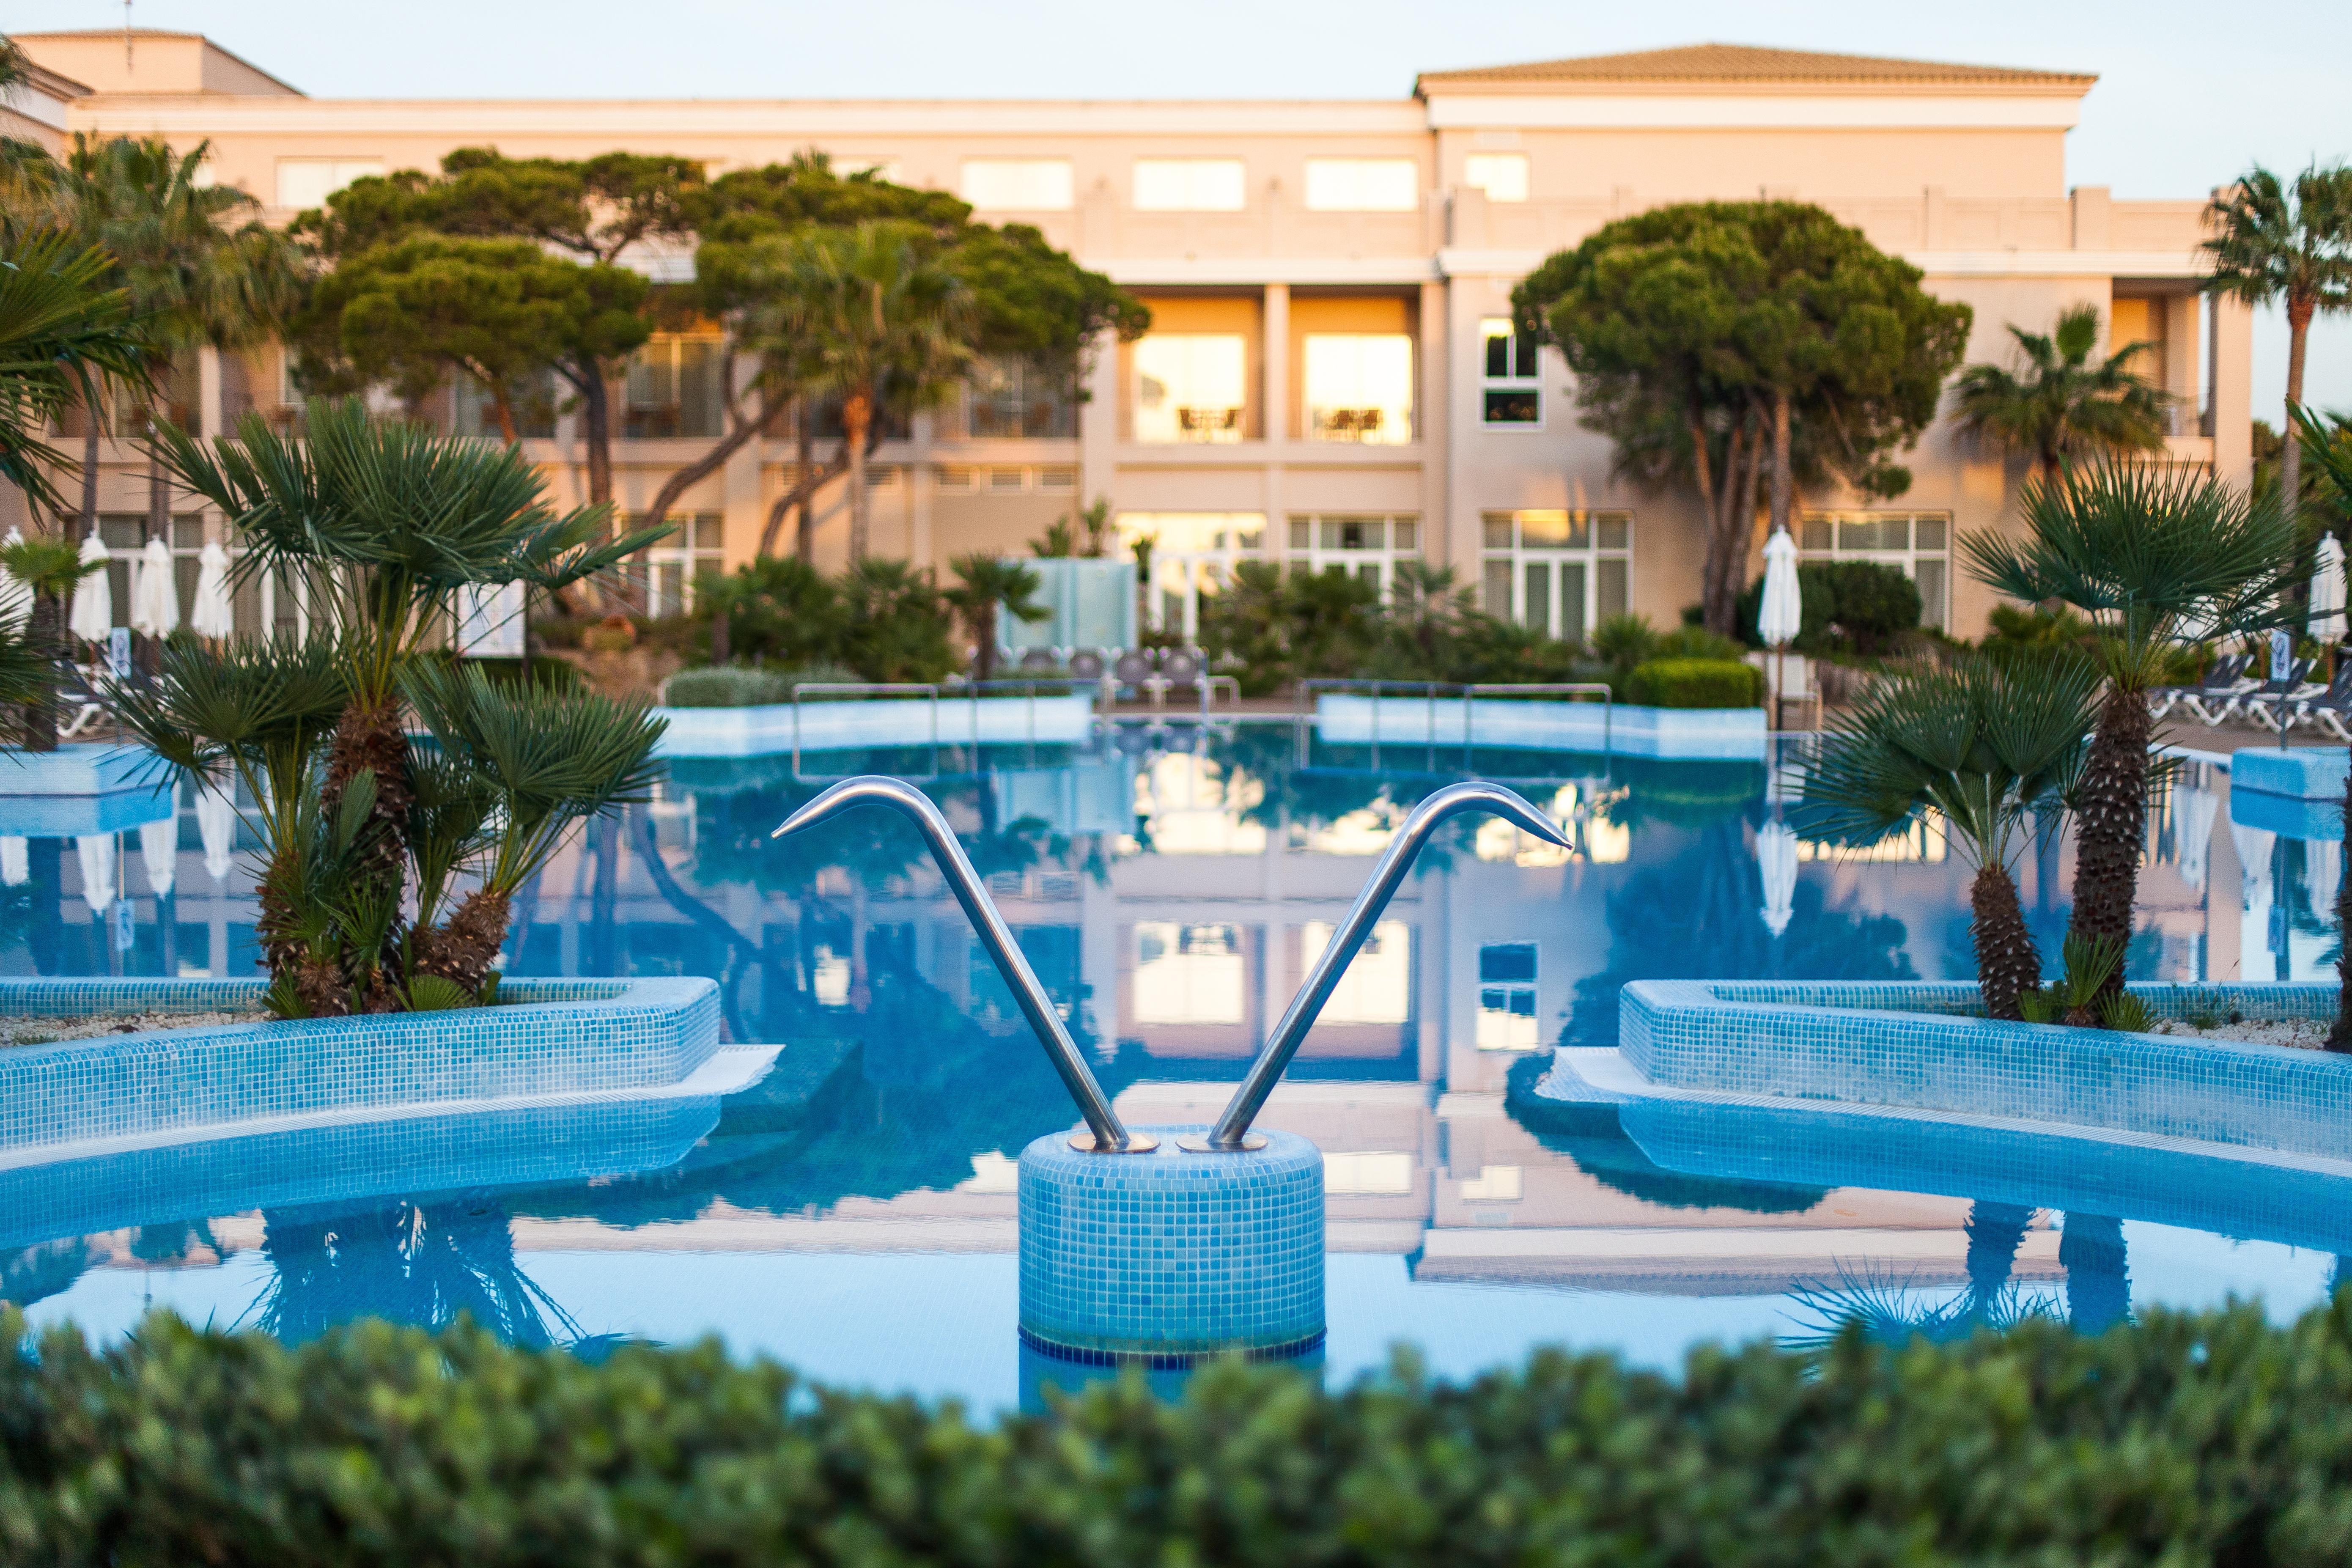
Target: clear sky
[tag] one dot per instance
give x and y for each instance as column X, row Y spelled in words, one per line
column 2189, row 95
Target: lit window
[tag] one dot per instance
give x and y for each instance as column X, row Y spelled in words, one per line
column 1377, row 986
column 1189, row 184
column 1012, row 398
column 1364, row 547
column 1494, row 1184
column 1502, row 175
column 1917, row 544
column 1019, row 184
column 1359, row 388
column 670, row 570
column 309, row 182
column 1190, row 386
column 1193, row 554
column 1557, row 572
column 673, row 387
column 1368, row 1176
column 1506, row 996
column 1509, row 394
column 874, row 166
column 1189, row 973
column 1362, row 185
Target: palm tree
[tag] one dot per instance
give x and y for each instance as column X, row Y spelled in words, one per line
column 49, row 568
column 65, row 328
column 2328, row 444
column 2058, row 404
column 2291, row 245
column 2151, row 555
column 878, row 318
column 192, row 280
column 986, row 583
column 1982, row 747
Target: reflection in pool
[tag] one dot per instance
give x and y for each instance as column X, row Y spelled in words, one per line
column 854, row 1213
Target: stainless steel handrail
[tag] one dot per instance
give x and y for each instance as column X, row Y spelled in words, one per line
column 1109, row 1136
column 1231, row 1132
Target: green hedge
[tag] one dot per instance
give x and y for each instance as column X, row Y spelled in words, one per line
column 738, row 686
column 1695, row 683
column 2187, row 1439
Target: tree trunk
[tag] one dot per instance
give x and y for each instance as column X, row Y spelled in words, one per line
column 983, row 644
column 1783, row 481
column 2111, row 826
column 597, row 429
column 43, row 628
column 504, row 406
column 1727, row 540
column 2339, row 1039
column 1714, row 572
column 465, row 949
column 2298, row 337
column 805, row 423
column 702, row 467
column 2007, row 962
column 857, row 414
column 88, row 475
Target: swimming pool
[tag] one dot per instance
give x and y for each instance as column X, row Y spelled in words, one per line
column 1169, row 886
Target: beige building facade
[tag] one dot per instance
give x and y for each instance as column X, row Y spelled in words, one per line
column 1330, row 379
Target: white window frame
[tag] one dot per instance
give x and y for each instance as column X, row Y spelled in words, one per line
column 1192, row 557
column 1527, row 378
column 996, row 184
column 1362, row 185
column 1598, row 540
column 700, row 544
column 1503, row 1024
column 1502, row 175
column 1935, row 553
column 1318, row 542
column 1190, row 184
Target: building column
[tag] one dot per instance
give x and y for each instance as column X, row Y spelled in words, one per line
column 208, row 421
column 1433, row 431
column 920, row 474
column 1273, row 330
column 1099, row 425
column 2234, row 387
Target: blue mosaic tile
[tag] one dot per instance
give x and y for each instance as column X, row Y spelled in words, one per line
column 564, row 1036
column 1170, row 1255
column 1920, row 1044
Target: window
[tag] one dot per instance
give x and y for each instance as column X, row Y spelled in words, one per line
column 1359, row 388
column 1377, row 985
column 1192, row 555
column 1004, row 479
column 1019, row 184
column 1190, row 387
column 672, row 388
column 1502, row 175
column 1189, row 185
column 875, row 167
column 1557, row 572
column 960, row 478
column 309, row 182
column 474, row 412
column 1011, row 398
column 1506, row 996
column 1917, row 542
column 1189, row 973
column 1364, row 547
column 1509, row 394
column 1362, row 185
column 669, row 570
column 1374, row 1173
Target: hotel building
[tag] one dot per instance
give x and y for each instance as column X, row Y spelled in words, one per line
column 1330, row 379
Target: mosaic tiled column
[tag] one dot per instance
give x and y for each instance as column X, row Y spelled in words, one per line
column 1166, row 1257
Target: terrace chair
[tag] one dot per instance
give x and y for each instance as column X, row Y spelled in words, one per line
column 2223, row 678
column 80, row 693
column 1182, row 670
column 2307, row 703
column 1132, row 672
column 2332, row 709
column 1039, row 660
column 2211, row 707
column 2249, row 704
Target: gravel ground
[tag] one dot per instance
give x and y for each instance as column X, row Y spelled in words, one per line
column 29, row 1031
column 2304, row 1034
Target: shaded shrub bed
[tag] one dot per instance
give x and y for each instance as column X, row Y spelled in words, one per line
column 2185, row 1439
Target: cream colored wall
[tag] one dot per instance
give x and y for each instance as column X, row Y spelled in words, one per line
column 155, row 62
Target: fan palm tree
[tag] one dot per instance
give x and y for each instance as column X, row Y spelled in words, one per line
column 191, row 279
column 2290, row 245
column 2059, row 404
column 1982, row 748
column 2328, row 444
column 2151, row 555
column 49, row 568
column 985, row 583
column 877, row 317
column 65, row 329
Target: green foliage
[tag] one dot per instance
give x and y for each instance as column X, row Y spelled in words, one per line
column 895, row 623
column 66, row 328
column 2179, row 1438
column 1859, row 607
column 2092, row 962
column 1086, row 533
column 1695, row 683
column 984, row 584
column 735, row 686
column 2057, row 404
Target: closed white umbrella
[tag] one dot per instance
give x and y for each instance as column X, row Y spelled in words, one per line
column 2193, row 815
column 16, row 863
column 1782, row 613
column 97, row 853
column 1776, row 856
column 159, row 851
column 16, row 596
column 92, row 619
column 2326, row 621
column 154, row 592
column 216, row 825
column 2254, row 864
column 2323, row 865
column 214, row 614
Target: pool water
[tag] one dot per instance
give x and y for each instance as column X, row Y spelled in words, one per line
column 1170, row 887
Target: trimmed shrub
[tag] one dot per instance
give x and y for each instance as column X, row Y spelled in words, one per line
column 1853, row 607
column 734, row 686
column 1695, row 683
column 2181, row 1439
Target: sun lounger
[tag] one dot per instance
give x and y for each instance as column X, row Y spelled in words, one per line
column 2225, row 681
column 2251, row 704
